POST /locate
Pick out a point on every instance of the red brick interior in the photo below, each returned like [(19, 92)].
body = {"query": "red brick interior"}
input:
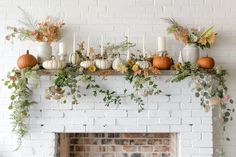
[(119, 145)]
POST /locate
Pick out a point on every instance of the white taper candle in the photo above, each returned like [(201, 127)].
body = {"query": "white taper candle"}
[(144, 53), (102, 46), (128, 50), (74, 42), (88, 46)]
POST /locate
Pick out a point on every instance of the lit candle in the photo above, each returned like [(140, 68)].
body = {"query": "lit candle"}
[(161, 44), (144, 53), (128, 50), (102, 45), (88, 47), (74, 43)]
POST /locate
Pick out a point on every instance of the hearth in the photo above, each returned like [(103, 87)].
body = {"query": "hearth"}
[(116, 145)]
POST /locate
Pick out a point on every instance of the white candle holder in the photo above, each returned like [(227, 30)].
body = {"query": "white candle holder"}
[(62, 56), (161, 53)]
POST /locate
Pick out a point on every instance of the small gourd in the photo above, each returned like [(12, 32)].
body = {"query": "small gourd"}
[(54, 64), (118, 61), (162, 62), (143, 64), (206, 62), (74, 58), (103, 64), (86, 64), (26, 61)]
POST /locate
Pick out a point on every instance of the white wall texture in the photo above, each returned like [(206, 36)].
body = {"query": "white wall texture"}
[(180, 113), (112, 19)]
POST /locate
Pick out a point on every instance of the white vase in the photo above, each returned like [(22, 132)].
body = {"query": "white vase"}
[(190, 53), (44, 51)]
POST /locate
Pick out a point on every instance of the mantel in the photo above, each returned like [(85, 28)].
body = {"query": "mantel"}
[(103, 72)]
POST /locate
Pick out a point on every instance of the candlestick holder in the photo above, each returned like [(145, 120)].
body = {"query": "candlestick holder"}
[(62, 56), (161, 53)]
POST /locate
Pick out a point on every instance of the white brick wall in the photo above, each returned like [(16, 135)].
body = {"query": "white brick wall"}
[(112, 18), (193, 126)]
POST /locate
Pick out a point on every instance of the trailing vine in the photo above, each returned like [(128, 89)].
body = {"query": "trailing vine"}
[(63, 79), (70, 77), (109, 97), (18, 82), (143, 85), (209, 86)]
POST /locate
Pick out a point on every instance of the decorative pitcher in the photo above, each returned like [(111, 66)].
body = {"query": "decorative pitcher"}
[(190, 53), (44, 51)]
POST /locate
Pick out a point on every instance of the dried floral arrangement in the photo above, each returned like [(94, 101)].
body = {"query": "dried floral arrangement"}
[(48, 30), (203, 38)]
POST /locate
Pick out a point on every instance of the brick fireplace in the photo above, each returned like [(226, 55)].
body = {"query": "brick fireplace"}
[(175, 113), (116, 145)]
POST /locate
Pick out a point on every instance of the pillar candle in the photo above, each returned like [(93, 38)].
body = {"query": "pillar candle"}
[(62, 50), (161, 44)]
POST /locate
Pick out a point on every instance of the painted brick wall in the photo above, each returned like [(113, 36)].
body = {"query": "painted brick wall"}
[(179, 113), (112, 18)]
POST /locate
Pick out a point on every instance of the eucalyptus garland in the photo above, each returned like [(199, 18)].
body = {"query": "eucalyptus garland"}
[(18, 82), (209, 85)]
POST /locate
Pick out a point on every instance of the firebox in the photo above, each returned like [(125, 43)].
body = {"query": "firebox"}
[(116, 145)]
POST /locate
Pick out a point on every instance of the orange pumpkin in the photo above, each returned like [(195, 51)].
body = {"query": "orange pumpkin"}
[(162, 62), (206, 62), (26, 61)]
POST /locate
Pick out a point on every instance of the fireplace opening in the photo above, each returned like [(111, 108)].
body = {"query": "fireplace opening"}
[(116, 145)]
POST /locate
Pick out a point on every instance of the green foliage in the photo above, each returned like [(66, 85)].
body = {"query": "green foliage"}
[(63, 79), (209, 86), (70, 77), (109, 97), (20, 99), (143, 85), (112, 49)]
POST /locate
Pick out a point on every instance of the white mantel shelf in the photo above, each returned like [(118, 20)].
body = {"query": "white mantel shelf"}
[(100, 72)]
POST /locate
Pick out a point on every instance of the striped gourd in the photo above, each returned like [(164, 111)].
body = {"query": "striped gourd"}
[(74, 58)]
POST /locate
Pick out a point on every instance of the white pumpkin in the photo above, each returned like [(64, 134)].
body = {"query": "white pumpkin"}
[(74, 58), (54, 64), (118, 61), (86, 64), (103, 64), (143, 64)]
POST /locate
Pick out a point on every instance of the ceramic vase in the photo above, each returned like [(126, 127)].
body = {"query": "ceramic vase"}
[(190, 53), (44, 51)]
